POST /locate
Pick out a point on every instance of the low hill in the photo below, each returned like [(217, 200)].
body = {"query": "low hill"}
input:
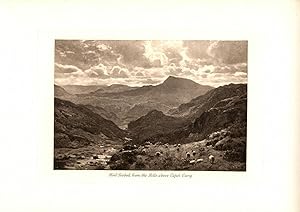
[(105, 114), (152, 124), (77, 126)]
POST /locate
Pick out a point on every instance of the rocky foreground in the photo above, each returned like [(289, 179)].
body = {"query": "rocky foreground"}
[(229, 154)]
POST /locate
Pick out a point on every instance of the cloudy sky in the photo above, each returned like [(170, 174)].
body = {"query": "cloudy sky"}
[(137, 63)]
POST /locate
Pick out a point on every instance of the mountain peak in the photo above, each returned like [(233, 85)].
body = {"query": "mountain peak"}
[(172, 81), (172, 78)]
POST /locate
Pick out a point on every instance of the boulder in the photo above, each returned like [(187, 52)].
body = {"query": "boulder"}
[(115, 157), (60, 157), (222, 143), (192, 161), (199, 160), (126, 156)]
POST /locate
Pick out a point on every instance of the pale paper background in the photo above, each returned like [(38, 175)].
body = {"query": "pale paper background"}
[(28, 182)]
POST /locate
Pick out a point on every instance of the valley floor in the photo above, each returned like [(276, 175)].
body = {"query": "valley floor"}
[(146, 157), (87, 158)]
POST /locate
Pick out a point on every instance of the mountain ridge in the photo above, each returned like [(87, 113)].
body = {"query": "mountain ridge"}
[(204, 102), (169, 94), (60, 91), (77, 126), (224, 107)]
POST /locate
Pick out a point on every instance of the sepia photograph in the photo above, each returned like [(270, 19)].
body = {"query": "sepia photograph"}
[(150, 105)]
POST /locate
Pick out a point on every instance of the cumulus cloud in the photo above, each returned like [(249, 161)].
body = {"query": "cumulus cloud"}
[(59, 75), (133, 62), (59, 68), (154, 54), (118, 72), (98, 71), (230, 52), (241, 67), (197, 49), (224, 69), (139, 74), (188, 72), (130, 52), (173, 55), (96, 74), (240, 74), (206, 69), (156, 63), (173, 69), (210, 49), (103, 47)]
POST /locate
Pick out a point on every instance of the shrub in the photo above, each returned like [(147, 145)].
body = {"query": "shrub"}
[(236, 154)]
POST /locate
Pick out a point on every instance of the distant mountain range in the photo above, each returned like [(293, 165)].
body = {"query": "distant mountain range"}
[(96, 89), (60, 92), (81, 89), (130, 103), (172, 92), (114, 88), (176, 111)]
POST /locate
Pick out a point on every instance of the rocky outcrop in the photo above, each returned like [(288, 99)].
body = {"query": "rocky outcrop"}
[(214, 98)]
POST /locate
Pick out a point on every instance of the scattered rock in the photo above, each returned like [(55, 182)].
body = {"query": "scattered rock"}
[(115, 157), (222, 143), (199, 160), (192, 161), (60, 157), (143, 152)]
